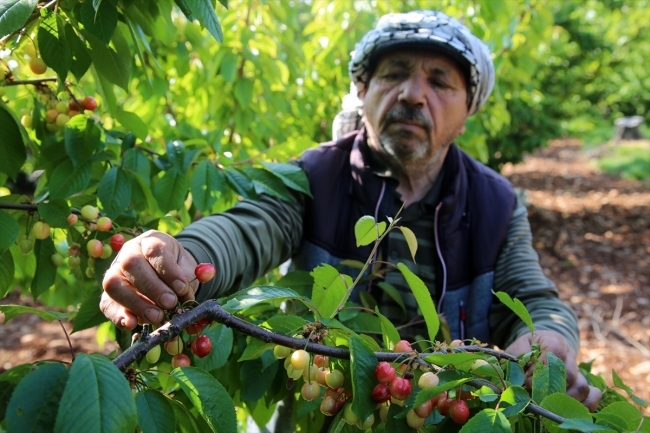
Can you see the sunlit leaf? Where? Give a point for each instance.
(14, 14)
(424, 300)
(12, 311)
(9, 229)
(155, 412)
(411, 240)
(518, 308)
(203, 10)
(367, 231)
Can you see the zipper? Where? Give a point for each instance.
(442, 260)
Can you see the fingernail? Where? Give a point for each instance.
(167, 301)
(179, 287)
(153, 315)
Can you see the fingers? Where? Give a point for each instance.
(162, 252)
(593, 399)
(580, 389)
(120, 316)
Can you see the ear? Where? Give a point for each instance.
(462, 130)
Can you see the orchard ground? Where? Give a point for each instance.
(591, 229)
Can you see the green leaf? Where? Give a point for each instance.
(583, 426)
(9, 229)
(411, 240)
(12, 311)
(449, 379)
(80, 54)
(137, 162)
(394, 424)
(53, 45)
(54, 212)
(207, 184)
(255, 294)
(114, 192)
(204, 12)
(459, 360)
(514, 400)
(300, 281)
(82, 139)
(615, 421)
(362, 365)
(155, 412)
(244, 92)
(45, 268)
(229, 65)
(185, 9)
(170, 190)
(96, 398)
(566, 407)
(28, 414)
(113, 65)
(89, 314)
(549, 378)
(209, 397)
(515, 374)
(100, 21)
(518, 308)
(389, 333)
(184, 420)
(423, 298)
(285, 324)
(391, 291)
(265, 182)
(240, 183)
(13, 146)
(486, 394)
(133, 123)
(7, 270)
(628, 412)
(14, 14)
(618, 383)
(222, 339)
(105, 89)
(487, 421)
(255, 380)
(366, 231)
(254, 349)
(141, 194)
(67, 180)
(292, 176)
(330, 288)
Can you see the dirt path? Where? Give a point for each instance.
(592, 231)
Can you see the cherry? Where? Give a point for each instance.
(204, 272)
(478, 364)
(424, 410)
(89, 103)
(26, 121)
(25, 243)
(61, 107)
(328, 406)
(202, 346)
(383, 412)
(116, 242)
(441, 396)
(334, 379)
(72, 218)
(443, 405)
(349, 416)
(41, 230)
(428, 380)
(380, 393)
(180, 360)
(300, 359)
(384, 372)
(309, 374)
(321, 376)
(37, 65)
(74, 262)
(320, 361)
(57, 259)
(89, 212)
(95, 248)
(51, 115)
(153, 355)
(310, 391)
(195, 328)
(293, 372)
(29, 48)
(413, 420)
(402, 346)
(367, 423)
(174, 346)
(400, 388)
(459, 411)
(281, 352)
(104, 224)
(457, 343)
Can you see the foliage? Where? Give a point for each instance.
(631, 160)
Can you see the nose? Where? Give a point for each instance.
(413, 89)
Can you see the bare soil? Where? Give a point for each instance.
(592, 232)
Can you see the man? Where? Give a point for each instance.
(419, 76)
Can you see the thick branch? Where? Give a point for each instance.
(32, 81)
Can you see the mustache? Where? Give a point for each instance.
(407, 112)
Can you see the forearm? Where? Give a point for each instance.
(519, 274)
(244, 242)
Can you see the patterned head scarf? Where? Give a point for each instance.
(427, 29)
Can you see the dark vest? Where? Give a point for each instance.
(476, 205)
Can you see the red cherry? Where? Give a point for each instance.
(202, 346)
(443, 405)
(72, 218)
(195, 328)
(116, 242)
(104, 224)
(380, 393)
(402, 346)
(384, 372)
(204, 272)
(89, 103)
(95, 248)
(459, 411)
(441, 396)
(400, 388)
(180, 360)
(424, 409)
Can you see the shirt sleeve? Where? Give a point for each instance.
(519, 274)
(245, 242)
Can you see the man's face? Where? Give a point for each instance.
(415, 105)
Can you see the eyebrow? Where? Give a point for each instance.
(437, 70)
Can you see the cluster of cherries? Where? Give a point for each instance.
(200, 344)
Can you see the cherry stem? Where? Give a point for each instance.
(68, 338)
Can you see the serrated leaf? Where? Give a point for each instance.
(209, 397)
(204, 12)
(285, 324)
(67, 180)
(141, 194)
(137, 162)
(7, 270)
(254, 349)
(255, 380)
(362, 367)
(394, 294)
(549, 378)
(222, 340)
(12, 311)
(618, 383)
(292, 176)
(9, 229)
(366, 231)
(514, 400)
(487, 421)
(113, 65)
(566, 407)
(54, 212)
(13, 146)
(133, 123)
(411, 240)
(170, 190)
(14, 15)
(184, 420)
(45, 268)
(96, 398)
(300, 281)
(155, 412)
(206, 185)
(518, 308)
(265, 182)
(114, 191)
(80, 54)
(330, 288)
(185, 9)
(101, 21)
(515, 374)
(449, 379)
(53, 45)
(89, 314)
(583, 426)
(628, 412)
(486, 394)
(240, 183)
(424, 300)
(612, 420)
(389, 333)
(28, 414)
(255, 294)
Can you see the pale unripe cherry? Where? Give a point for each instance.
(300, 359)
(334, 379)
(57, 259)
(349, 416)
(106, 251)
(321, 376)
(174, 346)
(51, 115)
(293, 372)
(309, 374)
(72, 218)
(153, 355)
(457, 343)
(41, 230)
(428, 380)
(26, 121)
(104, 224)
(52, 127)
(310, 391)
(89, 212)
(413, 420)
(478, 363)
(95, 248)
(367, 423)
(383, 412)
(61, 107)
(37, 65)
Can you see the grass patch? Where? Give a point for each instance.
(629, 159)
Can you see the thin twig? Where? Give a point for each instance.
(30, 81)
(68, 337)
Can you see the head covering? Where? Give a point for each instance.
(430, 30)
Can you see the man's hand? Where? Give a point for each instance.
(148, 275)
(549, 341)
